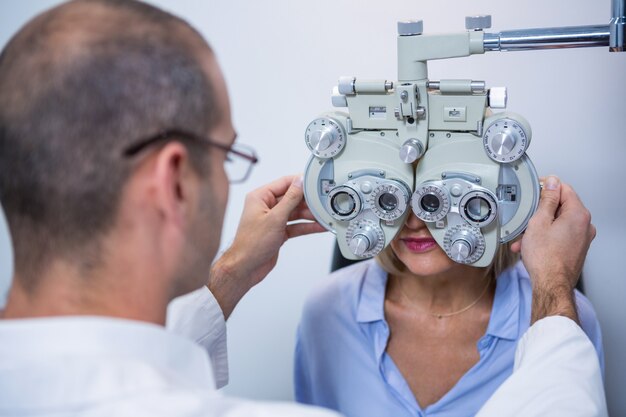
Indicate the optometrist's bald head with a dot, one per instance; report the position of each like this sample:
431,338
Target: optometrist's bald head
79,84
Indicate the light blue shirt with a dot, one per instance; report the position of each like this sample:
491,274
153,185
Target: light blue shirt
342,363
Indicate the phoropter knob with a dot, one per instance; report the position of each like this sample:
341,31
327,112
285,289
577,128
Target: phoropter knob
338,99
464,244
411,151
502,143
322,139
461,249
410,28
325,137
360,243
506,137
365,238
497,97
478,22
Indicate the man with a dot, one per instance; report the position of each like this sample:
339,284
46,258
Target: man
554,372
115,132
113,209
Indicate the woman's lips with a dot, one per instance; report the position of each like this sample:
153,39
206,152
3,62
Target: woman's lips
419,245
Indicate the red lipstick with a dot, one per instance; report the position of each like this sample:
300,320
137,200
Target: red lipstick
419,245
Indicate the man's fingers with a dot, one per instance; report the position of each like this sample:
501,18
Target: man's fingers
550,198
272,193
302,211
280,186
301,214
301,229
570,201
301,205
292,198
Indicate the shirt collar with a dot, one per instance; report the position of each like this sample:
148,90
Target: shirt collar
371,302
505,315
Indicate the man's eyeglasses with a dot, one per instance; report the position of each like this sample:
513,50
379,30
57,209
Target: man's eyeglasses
239,157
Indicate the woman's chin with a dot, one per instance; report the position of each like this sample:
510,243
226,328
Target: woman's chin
426,269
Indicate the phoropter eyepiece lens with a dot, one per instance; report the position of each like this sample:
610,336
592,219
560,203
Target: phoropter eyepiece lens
342,203
477,209
388,201
430,203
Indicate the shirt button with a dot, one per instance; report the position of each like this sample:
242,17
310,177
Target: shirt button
483,343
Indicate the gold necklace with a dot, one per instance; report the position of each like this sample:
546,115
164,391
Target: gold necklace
454,313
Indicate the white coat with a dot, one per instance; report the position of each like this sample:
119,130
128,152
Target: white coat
100,366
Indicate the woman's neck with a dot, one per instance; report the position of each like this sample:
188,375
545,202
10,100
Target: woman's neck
444,293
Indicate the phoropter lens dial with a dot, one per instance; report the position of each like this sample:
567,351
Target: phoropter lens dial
344,203
478,208
389,201
430,202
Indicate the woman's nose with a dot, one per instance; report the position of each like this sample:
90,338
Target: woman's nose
412,222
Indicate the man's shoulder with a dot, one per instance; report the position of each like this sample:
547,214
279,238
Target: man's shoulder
184,402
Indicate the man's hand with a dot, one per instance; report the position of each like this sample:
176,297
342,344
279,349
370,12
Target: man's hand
553,249
266,223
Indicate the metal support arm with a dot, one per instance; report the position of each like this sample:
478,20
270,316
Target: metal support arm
611,35
617,26
548,38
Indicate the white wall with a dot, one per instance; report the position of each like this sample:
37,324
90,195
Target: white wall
281,59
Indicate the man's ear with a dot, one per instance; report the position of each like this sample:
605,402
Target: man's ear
175,184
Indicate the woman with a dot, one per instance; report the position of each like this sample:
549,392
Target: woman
414,333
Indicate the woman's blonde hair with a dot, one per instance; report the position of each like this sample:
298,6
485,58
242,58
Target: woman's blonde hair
503,259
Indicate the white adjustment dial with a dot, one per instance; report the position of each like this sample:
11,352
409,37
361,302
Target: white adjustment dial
325,137
365,238
498,97
461,249
464,244
506,140
360,243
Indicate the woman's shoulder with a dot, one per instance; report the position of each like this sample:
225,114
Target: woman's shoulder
337,293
